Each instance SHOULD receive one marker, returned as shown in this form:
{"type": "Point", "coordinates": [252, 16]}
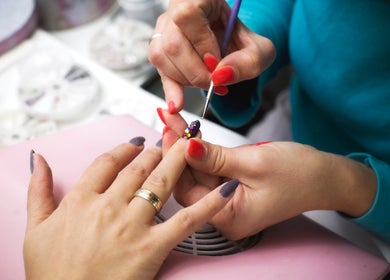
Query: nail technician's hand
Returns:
{"type": "Point", "coordinates": [278, 181]}
{"type": "Point", "coordinates": [189, 49]}
{"type": "Point", "coordinates": [100, 230]}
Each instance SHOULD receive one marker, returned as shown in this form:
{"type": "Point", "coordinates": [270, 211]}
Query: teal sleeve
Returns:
{"type": "Point", "coordinates": [270, 19]}
{"type": "Point", "coordinates": [377, 219]}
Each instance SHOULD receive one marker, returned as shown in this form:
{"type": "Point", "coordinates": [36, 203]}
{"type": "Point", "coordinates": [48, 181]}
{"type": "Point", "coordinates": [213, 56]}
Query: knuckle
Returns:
{"type": "Point", "coordinates": [154, 56]}
{"type": "Point", "coordinates": [220, 160]}
{"type": "Point", "coordinates": [186, 220]}
{"type": "Point", "coordinates": [105, 209]}
{"type": "Point", "coordinates": [135, 170]}
{"type": "Point", "coordinates": [73, 199]}
{"type": "Point", "coordinates": [173, 47]}
{"type": "Point", "coordinates": [183, 11]}
{"type": "Point", "coordinates": [199, 79]}
{"type": "Point", "coordinates": [157, 180]}
{"type": "Point", "coordinates": [109, 158]}
{"type": "Point", "coordinates": [254, 63]}
{"type": "Point", "coordinates": [267, 53]}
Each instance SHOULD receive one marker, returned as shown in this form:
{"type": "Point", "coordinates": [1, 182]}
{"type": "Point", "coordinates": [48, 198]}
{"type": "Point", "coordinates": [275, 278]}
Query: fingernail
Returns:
{"type": "Point", "coordinates": [165, 130]}
{"type": "Point", "coordinates": [221, 90]}
{"type": "Point", "coordinates": [262, 143]}
{"type": "Point", "coordinates": [161, 115]}
{"type": "Point", "coordinates": [223, 75]}
{"type": "Point", "coordinates": [159, 143]}
{"type": "Point", "coordinates": [191, 130]}
{"type": "Point", "coordinates": [229, 188]}
{"type": "Point", "coordinates": [32, 156]}
{"type": "Point", "coordinates": [138, 141]}
{"type": "Point", "coordinates": [195, 149]}
{"type": "Point", "coordinates": [210, 61]}
{"type": "Point", "coordinates": [171, 107]}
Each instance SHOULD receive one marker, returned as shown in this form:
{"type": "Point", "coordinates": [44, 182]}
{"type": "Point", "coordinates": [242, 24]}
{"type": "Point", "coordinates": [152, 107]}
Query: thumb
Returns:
{"type": "Point", "coordinates": [254, 56]}
{"type": "Point", "coordinates": [40, 198]}
{"type": "Point", "coordinates": [213, 159]}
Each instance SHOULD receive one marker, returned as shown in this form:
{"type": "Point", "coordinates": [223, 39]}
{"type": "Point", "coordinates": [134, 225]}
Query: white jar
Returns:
{"type": "Point", "coordinates": [143, 10]}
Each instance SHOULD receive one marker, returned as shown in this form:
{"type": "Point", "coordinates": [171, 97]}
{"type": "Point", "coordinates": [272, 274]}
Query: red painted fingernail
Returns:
{"type": "Point", "coordinates": [161, 115]}
{"type": "Point", "coordinates": [165, 130]}
{"type": "Point", "coordinates": [221, 90]}
{"type": "Point", "coordinates": [171, 107]}
{"type": "Point", "coordinates": [262, 143]}
{"type": "Point", "coordinates": [223, 75]}
{"type": "Point", "coordinates": [210, 61]}
{"type": "Point", "coordinates": [195, 149]}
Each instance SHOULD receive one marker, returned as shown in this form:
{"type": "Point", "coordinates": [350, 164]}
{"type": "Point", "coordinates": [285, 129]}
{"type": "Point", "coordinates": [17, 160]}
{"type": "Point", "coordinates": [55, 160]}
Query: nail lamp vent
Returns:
{"type": "Point", "coordinates": [207, 241]}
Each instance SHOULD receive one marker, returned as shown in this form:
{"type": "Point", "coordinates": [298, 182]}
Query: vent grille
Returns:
{"type": "Point", "coordinates": [207, 240]}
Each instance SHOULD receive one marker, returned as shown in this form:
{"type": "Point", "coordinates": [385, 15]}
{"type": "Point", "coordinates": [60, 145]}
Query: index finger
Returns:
{"type": "Point", "coordinates": [200, 22]}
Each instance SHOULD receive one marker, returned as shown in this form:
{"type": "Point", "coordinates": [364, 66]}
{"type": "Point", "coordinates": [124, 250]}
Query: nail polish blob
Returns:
{"type": "Point", "coordinates": [191, 130]}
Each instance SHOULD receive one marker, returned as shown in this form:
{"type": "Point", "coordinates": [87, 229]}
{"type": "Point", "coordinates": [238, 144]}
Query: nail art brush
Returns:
{"type": "Point", "coordinates": [225, 43]}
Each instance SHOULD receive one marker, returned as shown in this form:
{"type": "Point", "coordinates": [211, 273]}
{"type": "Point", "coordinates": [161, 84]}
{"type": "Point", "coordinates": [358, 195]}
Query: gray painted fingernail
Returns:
{"type": "Point", "coordinates": [229, 187]}
{"type": "Point", "coordinates": [138, 141]}
{"type": "Point", "coordinates": [159, 143]}
{"type": "Point", "coordinates": [32, 154]}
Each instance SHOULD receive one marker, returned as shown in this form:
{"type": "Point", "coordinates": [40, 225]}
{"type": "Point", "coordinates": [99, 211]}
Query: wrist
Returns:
{"type": "Point", "coordinates": [353, 186]}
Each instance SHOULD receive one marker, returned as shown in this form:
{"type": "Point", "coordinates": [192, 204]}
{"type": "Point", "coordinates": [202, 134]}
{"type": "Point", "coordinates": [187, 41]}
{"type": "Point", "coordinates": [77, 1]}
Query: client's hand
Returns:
{"type": "Point", "coordinates": [100, 230]}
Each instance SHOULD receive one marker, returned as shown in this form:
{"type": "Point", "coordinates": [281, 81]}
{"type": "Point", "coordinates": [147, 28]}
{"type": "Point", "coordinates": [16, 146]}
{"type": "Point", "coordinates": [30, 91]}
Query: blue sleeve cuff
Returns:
{"type": "Point", "coordinates": [376, 219]}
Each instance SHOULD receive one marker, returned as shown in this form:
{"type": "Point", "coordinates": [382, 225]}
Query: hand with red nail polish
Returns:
{"type": "Point", "coordinates": [223, 75]}
{"type": "Point", "coordinates": [210, 61]}
{"type": "Point", "coordinates": [278, 180]}
{"type": "Point", "coordinates": [190, 49]}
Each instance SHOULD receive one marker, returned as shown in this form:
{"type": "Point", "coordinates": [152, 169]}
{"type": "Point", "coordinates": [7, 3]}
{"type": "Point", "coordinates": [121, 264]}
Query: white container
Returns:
{"type": "Point", "coordinates": [142, 10]}
{"type": "Point", "coordinates": [64, 14]}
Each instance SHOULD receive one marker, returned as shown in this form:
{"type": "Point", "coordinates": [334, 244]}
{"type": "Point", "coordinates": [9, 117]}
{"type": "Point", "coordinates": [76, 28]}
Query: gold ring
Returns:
{"type": "Point", "coordinates": [155, 35]}
{"type": "Point", "coordinates": [150, 197]}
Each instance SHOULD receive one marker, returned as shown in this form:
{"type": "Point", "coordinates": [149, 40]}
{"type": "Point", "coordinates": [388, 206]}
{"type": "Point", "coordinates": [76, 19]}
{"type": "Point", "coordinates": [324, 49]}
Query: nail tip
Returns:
{"type": "Point", "coordinates": [229, 187]}
{"type": "Point", "coordinates": [32, 154]}
{"type": "Point", "coordinates": [159, 143]}
{"type": "Point", "coordinates": [137, 141]}
{"type": "Point", "coordinates": [191, 130]}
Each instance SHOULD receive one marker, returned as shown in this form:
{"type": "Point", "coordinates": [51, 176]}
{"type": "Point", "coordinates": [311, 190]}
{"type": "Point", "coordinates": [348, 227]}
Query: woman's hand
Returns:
{"type": "Point", "coordinates": [189, 49]}
{"type": "Point", "coordinates": [100, 230]}
{"type": "Point", "coordinates": [278, 181]}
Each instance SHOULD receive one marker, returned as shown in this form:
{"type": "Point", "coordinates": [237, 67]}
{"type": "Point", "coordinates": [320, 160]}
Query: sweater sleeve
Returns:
{"type": "Point", "coordinates": [270, 19]}
{"type": "Point", "coordinates": [376, 219]}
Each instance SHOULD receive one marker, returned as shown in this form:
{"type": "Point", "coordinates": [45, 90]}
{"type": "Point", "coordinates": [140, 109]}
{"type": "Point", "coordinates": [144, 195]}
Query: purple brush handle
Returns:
{"type": "Point", "coordinates": [230, 26]}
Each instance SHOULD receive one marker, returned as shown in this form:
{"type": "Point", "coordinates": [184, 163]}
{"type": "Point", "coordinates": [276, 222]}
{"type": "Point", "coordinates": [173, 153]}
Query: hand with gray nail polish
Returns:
{"type": "Point", "coordinates": [100, 229]}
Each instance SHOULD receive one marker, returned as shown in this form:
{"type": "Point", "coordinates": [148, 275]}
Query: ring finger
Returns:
{"type": "Point", "coordinates": [160, 182]}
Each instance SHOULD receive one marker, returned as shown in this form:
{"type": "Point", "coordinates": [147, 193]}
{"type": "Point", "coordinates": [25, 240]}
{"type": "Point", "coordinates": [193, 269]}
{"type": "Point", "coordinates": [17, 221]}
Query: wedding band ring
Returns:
{"type": "Point", "coordinates": [155, 35]}
{"type": "Point", "coordinates": [151, 197]}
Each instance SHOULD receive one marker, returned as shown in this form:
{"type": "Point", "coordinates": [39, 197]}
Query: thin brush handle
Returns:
{"type": "Point", "coordinates": [225, 43]}
{"type": "Point", "coordinates": [230, 27]}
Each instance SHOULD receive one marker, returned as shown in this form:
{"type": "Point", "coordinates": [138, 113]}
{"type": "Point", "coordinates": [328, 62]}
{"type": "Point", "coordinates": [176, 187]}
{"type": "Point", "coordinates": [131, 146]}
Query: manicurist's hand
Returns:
{"type": "Point", "coordinates": [100, 230]}
{"type": "Point", "coordinates": [186, 49]}
{"type": "Point", "coordinates": [278, 181]}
